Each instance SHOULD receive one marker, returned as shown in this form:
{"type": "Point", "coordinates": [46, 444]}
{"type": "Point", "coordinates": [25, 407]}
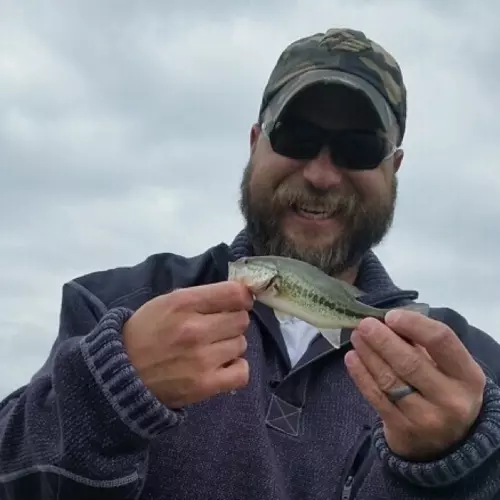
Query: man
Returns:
{"type": "Point", "coordinates": [167, 381]}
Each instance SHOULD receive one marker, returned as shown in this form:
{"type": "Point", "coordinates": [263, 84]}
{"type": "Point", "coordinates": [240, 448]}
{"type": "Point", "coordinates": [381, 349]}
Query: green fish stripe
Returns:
{"type": "Point", "coordinates": [308, 297]}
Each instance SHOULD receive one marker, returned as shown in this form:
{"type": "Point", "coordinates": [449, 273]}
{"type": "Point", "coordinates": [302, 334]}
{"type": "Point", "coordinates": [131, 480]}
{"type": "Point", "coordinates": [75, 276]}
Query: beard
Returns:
{"type": "Point", "coordinates": [365, 222]}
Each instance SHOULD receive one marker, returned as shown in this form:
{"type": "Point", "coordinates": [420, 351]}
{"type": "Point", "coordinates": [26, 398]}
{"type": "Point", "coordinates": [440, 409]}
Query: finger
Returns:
{"type": "Point", "coordinates": [222, 326]}
{"type": "Point", "coordinates": [425, 353]}
{"type": "Point", "coordinates": [386, 379]}
{"type": "Point", "coordinates": [222, 353]}
{"type": "Point", "coordinates": [405, 360]}
{"type": "Point", "coordinates": [439, 340]}
{"type": "Point", "coordinates": [362, 378]}
{"type": "Point", "coordinates": [216, 297]}
{"type": "Point", "coordinates": [235, 376]}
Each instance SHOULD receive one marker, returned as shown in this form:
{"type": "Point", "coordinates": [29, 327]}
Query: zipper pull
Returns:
{"type": "Point", "coordinates": [346, 490]}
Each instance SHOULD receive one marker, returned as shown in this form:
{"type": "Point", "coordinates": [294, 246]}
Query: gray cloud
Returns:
{"type": "Point", "coordinates": [124, 130]}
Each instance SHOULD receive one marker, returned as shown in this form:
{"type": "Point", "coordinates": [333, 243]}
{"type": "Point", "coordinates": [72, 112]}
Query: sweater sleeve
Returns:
{"type": "Point", "coordinates": [82, 425]}
{"type": "Point", "coordinates": [470, 472]}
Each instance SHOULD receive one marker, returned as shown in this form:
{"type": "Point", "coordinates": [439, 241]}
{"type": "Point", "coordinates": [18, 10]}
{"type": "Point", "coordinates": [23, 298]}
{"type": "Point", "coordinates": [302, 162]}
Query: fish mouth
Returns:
{"type": "Point", "coordinates": [314, 212]}
{"type": "Point", "coordinates": [257, 287]}
{"type": "Point", "coordinates": [262, 286]}
{"type": "Point", "coordinates": [255, 283]}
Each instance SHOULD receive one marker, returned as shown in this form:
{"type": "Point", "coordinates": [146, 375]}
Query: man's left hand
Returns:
{"type": "Point", "coordinates": [413, 349]}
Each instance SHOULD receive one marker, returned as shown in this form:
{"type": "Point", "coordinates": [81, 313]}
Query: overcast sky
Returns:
{"type": "Point", "coordinates": [124, 130]}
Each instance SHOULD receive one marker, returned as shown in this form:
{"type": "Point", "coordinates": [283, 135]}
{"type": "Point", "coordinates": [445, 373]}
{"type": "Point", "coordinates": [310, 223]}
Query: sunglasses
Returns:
{"type": "Point", "coordinates": [349, 149]}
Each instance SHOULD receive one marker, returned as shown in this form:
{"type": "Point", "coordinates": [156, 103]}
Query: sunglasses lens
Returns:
{"type": "Point", "coordinates": [350, 149]}
{"type": "Point", "coordinates": [297, 139]}
{"type": "Point", "coordinates": [357, 150]}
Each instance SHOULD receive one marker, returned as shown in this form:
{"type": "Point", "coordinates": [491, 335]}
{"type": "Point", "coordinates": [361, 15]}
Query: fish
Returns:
{"type": "Point", "coordinates": [296, 288]}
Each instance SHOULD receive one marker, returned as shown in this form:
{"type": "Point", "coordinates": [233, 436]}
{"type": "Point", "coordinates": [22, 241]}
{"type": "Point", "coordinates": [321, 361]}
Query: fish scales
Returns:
{"type": "Point", "coordinates": [296, 288]}
{"type": "Point", "coordinates": [300, 290]}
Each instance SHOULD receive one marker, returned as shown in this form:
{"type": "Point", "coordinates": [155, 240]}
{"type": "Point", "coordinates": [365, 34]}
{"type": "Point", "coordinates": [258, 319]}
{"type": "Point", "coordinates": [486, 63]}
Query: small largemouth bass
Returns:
{"type": "Point", "coordinates": [295, 288]}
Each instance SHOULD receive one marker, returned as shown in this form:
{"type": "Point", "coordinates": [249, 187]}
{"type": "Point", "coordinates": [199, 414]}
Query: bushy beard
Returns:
{"type": "Point", "coordinates": [365, 222]}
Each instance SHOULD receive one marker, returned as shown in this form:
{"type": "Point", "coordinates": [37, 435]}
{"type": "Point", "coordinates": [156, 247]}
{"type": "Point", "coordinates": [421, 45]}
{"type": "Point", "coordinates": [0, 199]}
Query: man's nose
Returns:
{"type": "Point", "coordinates": [321, 172]}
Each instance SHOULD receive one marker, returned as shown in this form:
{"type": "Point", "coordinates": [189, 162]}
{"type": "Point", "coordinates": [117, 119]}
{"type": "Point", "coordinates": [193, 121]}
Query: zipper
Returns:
{"type": "Point", "coordinates": [346, 490]}
{"type": "Point", "coordinates": [361, 450]}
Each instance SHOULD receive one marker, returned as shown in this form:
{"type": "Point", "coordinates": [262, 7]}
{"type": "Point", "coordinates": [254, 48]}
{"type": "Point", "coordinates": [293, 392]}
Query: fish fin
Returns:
{"type": "Point", "coordinates": [420, 307]}
{"type": "Point", "coordinates": [281, 316]}
{"type": "Point", "coordinates": [332, 335]}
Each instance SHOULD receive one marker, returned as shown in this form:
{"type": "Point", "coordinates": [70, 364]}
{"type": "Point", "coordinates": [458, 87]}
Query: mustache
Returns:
{"type": "Point", "coordinates": [287, 196]}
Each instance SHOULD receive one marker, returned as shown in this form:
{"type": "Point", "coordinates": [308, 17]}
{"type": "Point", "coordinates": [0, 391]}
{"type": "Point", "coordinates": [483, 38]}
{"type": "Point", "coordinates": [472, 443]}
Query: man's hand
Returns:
{"type": "Point", "coordinates": [188, 345]}
{"type": "Point", "coordinates": [449, 382]}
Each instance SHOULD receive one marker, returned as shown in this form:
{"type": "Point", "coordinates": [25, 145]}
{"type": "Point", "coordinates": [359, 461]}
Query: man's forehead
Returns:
{"type": "Point", "coordinates": [334, 105]}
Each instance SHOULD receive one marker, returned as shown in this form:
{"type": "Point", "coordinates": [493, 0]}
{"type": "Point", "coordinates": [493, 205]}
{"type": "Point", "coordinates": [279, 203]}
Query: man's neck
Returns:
{"type": "Point", "coordinates": [349, 275]}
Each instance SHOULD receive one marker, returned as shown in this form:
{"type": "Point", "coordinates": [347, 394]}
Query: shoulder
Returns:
{"type": "Point", "coordinates": [131, 286]}
{"type": "Point", "coordinates": [482, 345]}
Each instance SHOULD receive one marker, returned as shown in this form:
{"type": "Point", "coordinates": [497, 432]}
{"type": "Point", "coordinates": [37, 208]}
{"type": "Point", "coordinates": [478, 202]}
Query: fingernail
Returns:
{"type": "Point", "coordinates": [355, 335]}
{"type": "Point", "coordinates": [350, 358]}
{"type": "Point", "coordinates": [393, 316]}
{"type": "Point", "coordinates": [365, 327]}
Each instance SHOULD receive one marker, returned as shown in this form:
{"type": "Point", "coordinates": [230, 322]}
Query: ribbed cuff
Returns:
{"type": "Point", "coordinates": [137, 406]}
{"type": "Point", "coordinates": [469, 456]}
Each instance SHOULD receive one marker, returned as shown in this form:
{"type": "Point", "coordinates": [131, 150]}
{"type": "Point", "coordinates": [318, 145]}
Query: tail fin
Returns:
{"type": "Point", "coordinates": [420, 307]}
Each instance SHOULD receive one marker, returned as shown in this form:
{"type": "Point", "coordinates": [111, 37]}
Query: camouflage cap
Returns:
{"type": "Point", "coordinates": [343, 56]}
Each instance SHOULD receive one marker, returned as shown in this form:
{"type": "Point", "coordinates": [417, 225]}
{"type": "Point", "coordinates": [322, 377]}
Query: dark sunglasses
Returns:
{"type": "Point", "coordinates": [349, 149]}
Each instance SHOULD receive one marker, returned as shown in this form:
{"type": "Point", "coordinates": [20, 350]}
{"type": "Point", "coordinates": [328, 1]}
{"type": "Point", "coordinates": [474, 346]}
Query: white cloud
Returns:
{"type": "Point", "coordinates": [124, 130]}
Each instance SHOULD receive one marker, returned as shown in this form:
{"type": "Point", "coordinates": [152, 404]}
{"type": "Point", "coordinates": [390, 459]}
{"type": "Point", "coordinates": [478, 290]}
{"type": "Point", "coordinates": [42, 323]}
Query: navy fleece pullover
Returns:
{"type": "Point", "coordinates": [86, 427]}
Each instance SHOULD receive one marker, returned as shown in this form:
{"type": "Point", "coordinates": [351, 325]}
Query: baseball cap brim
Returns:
{"type": "Point", "coordinates": [315, 76]}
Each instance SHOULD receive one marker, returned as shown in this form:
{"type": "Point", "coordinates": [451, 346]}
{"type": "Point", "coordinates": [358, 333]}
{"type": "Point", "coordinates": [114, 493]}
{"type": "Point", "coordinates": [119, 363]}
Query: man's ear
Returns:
{"type": "Point", "coordinates": [398, 159]}
{"type": "Point", "coordinates": [255, 132]}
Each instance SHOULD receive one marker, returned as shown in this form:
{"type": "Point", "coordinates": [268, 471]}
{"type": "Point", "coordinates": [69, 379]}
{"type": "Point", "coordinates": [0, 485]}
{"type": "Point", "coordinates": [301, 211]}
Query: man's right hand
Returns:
{"type": "Point", "coordinates": [188, 345]}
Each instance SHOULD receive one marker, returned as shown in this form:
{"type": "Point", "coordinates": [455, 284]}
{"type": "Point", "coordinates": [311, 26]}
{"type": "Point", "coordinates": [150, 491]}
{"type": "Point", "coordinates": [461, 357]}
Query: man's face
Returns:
{"type": "Point", "coordinates": [314, 210]}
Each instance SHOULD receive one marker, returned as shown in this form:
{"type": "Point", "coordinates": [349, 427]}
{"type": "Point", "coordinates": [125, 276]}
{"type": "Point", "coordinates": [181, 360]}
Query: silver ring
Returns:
{"type": "Point", "coordinates": [400, 392]}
